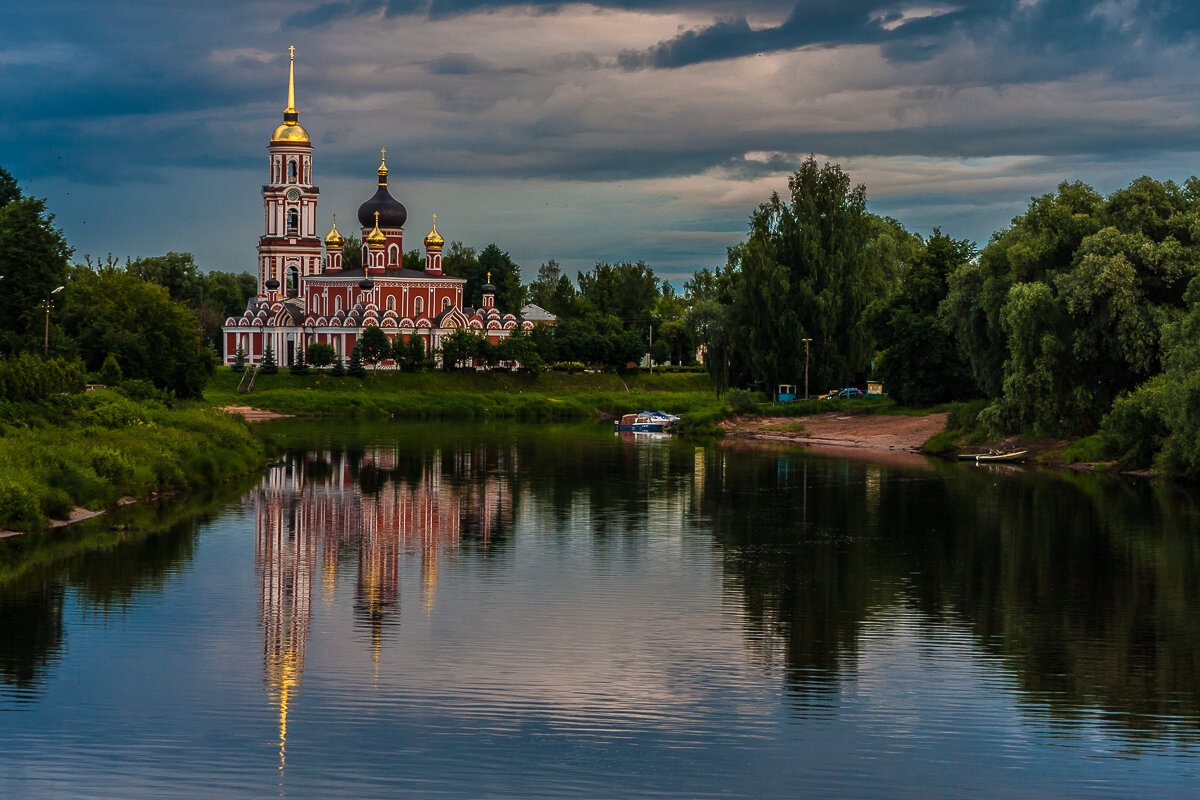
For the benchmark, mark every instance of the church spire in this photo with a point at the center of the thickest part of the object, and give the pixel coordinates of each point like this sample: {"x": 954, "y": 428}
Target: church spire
{"x": 291, "y": 132}
{"x": 291, "y": 107}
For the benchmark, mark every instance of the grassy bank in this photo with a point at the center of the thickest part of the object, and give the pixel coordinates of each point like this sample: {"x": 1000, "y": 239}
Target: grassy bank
{"x": 439, "y": 395}
{"x": 94, "y": 449}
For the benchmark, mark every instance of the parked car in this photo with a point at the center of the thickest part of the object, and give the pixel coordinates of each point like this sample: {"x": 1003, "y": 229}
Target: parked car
{"x": 844, "y": 394}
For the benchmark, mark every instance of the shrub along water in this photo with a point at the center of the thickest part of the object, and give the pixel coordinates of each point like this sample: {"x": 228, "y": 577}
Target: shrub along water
{"x": 93, "y": 449}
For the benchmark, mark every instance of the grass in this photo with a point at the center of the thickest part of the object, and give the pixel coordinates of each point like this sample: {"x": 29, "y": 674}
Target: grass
{"x": 93, "y": 449}
{"x": 1088, "y": 450}
{"x": 439, "y": 395}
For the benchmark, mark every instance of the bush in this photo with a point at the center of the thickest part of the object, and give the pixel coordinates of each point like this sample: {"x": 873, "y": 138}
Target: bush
{"x": 142, "y": 391}
{"x": 320, "y": 354}
{"x": 742, "y": 401}
{"x": 110, "y": 371}
{"x": 26, "y": 377}
{"x": 19, "y": 508}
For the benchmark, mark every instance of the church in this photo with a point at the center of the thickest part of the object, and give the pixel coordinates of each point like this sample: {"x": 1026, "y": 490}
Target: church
{"x": 304, "y": 293}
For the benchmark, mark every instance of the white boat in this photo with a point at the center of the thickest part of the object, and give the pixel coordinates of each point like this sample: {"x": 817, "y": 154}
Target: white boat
{"x": 647, "y": 422}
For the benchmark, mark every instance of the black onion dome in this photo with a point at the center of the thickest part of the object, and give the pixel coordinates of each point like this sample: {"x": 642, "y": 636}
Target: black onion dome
{"x": 392, "y": 214}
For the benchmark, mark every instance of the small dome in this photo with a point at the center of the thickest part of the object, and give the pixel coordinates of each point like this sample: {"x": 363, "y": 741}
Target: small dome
{"x": 392, "y": 214}
{"x": 376, "y": 237}
{"x": 334, "y": 238}
{"x": 434, "y": 240}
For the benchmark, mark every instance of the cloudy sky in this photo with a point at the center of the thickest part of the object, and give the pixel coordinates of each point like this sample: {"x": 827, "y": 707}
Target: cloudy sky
{"x": 605, "y": 131}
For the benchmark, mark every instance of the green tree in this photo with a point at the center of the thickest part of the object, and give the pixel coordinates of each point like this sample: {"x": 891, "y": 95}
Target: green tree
{"x": 412, "y": 259}
{"x": 153, "y": 338}
{"x": 626, "y": 290}
{"x": 457, "y": 347}
{"x": 807, "y": 270}
{"x": 110, "y": 371}
{"x": 175, "y": 272}
{"x": 239, "y": 360}
{"x": 355, "y": 367}
{"x": 299, "y": 365}
{"x": 520, "y": 347}
{"x": 919, "y": 361}
{"x": 33, "y": 260}
{"x": 552, "y": 290}
{"x": 351, "y": 253}
{"x": 339, "y": 368}
{"x": 375, "y": 345}
{"x": 269, "y": 366}
{"x": 321, "y": 354}
{"x": 416, "y": 353}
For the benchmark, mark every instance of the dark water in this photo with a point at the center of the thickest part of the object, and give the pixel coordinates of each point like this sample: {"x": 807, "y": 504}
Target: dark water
{"x": 466, "y": 611}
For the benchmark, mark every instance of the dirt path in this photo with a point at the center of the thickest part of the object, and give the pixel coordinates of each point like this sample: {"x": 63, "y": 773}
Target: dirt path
{"x": 870, "y": 431}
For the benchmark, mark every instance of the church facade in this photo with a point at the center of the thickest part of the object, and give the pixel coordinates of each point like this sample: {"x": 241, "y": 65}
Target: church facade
{"x": 304, "y": 293}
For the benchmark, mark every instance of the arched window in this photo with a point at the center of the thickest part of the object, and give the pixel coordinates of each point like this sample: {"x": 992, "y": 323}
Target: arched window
{"x": 366, "y": 257}
{"x": 337, "y": 304}
{"x": 292, "y": 171}
{"x": 391, "y": 302}
{"x": 293, "y": 222}
{"x": 445, "y": 303}
{"x": 293, "y": 281}
{"x": 418, "y": 306}
{"x": 393, "y": 255}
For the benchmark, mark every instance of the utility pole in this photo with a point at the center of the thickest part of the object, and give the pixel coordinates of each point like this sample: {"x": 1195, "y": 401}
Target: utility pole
{"x": 46, "y": 345}
{"x": 806, "y": 341}
{"x": 651, "y": 349}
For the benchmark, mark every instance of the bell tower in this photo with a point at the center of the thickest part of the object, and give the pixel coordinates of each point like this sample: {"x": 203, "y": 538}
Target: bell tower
{"x": 289, "y": 248}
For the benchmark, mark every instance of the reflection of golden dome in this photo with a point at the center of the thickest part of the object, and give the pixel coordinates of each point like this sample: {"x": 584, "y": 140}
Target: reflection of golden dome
{"x": 376, "y": 238}
{"x": 434, "y": 240}
{"x": 334, "y": 238}
{"x": 290, "y": 132}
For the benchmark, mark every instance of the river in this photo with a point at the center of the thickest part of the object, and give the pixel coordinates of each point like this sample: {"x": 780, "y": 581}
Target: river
{"x": 437, "y": 610}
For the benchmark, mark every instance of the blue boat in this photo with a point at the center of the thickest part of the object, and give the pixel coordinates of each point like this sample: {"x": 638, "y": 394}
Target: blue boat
{"x": 647, "y": 422}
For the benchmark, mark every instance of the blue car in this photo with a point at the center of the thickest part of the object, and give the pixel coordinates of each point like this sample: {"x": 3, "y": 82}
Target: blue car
{"x": 846, "y": 393}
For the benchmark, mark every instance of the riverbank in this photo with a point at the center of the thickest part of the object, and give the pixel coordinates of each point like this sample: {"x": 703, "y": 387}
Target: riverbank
{"x": 837, "y": 428}
{"x": 71, "y": 455}
{"x": 466, "y": 395}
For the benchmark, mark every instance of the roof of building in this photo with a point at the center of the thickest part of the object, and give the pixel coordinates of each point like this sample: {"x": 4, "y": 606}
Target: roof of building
{"x": 537, "y": 314}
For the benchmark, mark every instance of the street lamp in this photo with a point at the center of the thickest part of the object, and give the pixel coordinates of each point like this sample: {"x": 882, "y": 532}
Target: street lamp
{"x": 806, "y": 341}
{"x": 46, "y": 346}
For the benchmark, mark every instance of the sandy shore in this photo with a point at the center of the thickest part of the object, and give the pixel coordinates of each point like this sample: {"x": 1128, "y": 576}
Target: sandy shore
{"x": 864, "y": 431}
{"x": 254, "y": 414}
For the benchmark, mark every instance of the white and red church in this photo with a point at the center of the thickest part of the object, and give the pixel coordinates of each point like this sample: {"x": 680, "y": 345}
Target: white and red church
{"x": 304, "y": 294}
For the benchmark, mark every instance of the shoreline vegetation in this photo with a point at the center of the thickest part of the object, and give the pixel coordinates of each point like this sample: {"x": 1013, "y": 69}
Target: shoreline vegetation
{"x": 68, "y": 454}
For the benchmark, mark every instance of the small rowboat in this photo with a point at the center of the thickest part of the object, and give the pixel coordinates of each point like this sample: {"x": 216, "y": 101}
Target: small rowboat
{"x": 994, "y": 457}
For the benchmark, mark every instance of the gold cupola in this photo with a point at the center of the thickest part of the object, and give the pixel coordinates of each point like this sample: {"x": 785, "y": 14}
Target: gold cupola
{"x": 376, "y": 237}
{"x": 434, "y": 240}
{"x": 334, "y": 239}
{"x": 383, "y": 170}
{"x": 291, "y": 131}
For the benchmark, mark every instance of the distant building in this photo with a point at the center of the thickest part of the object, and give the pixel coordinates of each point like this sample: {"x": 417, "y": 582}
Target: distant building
{"x": 304, "y": 294}
{"x": 538, "y": 315}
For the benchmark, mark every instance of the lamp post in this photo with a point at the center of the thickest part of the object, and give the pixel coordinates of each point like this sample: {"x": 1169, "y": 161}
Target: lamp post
{"x": 46, "y": 345}
{"x": 806, "y": 341}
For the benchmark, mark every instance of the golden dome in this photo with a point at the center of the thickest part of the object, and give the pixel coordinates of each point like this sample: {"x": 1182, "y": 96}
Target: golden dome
{"x": 334, "y": 238}
{"x": 376, "y": 238}
{"x": 383, "y": 170}
{"x": 434, "y": 240}
{"x": 290, "y": 133}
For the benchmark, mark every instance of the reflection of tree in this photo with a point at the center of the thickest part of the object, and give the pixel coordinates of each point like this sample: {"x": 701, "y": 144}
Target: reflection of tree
{"x": 107, "y": 561}
{"x": 31, "y": 631}
{"x": 1085, "y": 586}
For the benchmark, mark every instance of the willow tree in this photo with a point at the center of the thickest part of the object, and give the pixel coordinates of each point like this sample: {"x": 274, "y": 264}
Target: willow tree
{"x": 807, "y": 271}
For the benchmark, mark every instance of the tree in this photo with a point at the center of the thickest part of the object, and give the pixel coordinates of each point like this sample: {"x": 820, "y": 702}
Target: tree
{"x": 520, "y": 347}
{"x": 268, "y": 366}
{"x": 110, "y": 371}
{"x": 552, "y": 290}
{"x": 299, "y": 366}
{"x": 806, "y": 270}
{"x": 175, "y": 272}
{"x": 416, "y": 353}
{"x": 355, "y": 368}
{"x": 351, "y": 253}
{"x": 626, "y": 290}
{"x": 412, "y": 259}
{"x": 457, "y": 348}
{"x": 375, "y": 344}
{"x": 33, "y": 261}
{"x": 239, "y": 360}
{"x": 321, "y": 354}
{"x": 339, "y": 368}
{"x": 919, "y": 362}
{"x": 152, "y": 338}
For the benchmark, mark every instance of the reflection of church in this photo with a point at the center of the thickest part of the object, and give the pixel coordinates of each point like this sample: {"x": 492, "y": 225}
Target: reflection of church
{"x": 304, "y": 293}
{"x": 333, "y": 507}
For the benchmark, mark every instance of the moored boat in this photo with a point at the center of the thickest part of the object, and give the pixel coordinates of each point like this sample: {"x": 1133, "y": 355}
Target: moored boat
{"x": 994, "y": 456}
{"x": 647, "y": 422}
